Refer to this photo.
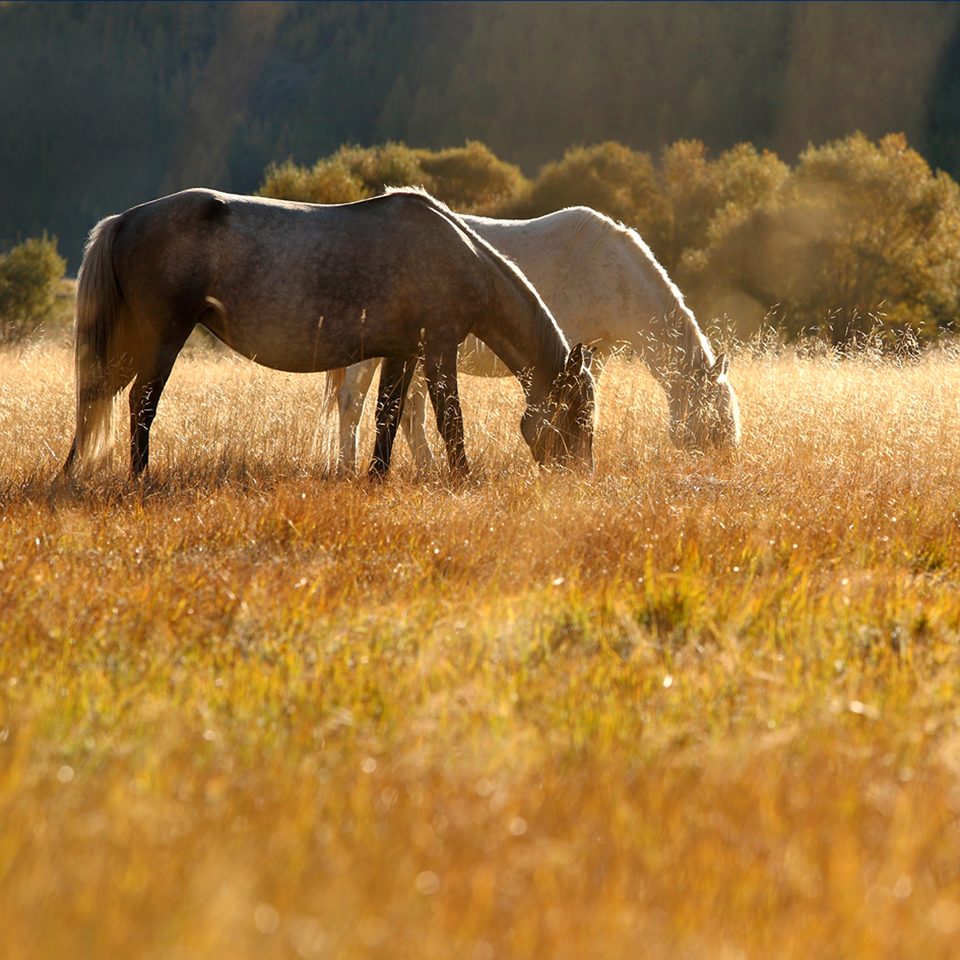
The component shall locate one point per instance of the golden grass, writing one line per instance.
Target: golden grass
(688, 706)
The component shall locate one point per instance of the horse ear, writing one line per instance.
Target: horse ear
(720, 366)
(581, 356)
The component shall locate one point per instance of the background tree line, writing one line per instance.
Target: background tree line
(856, 237)
(106, 105)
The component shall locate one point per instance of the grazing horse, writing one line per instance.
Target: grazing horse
(308, 287)
(604, 287)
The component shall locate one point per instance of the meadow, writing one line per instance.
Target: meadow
(687, 706)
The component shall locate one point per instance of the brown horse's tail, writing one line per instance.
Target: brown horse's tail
(332, 387)
(99, 301)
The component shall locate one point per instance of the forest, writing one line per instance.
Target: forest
(107, 105)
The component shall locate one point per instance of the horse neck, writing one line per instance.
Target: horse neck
(524, 334)
(550, 352)
(529, 342)
(669, 339)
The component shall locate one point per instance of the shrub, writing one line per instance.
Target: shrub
(392, 165)
(858, 235)
(699, 193)
(673, 206)
(29, 278)
(609, 177)
(861, 235)
(471, 179)
(329, 180)
(882, 237)
(468, 178)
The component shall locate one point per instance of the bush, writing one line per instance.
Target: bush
(882, 238)
(700, 194)
(469, 178)
(30, 275)
(352, 173)
(609, 177)
(673, 207)
(392, 165)
(329, 180)
(860, 236)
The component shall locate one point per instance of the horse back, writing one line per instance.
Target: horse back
(304, 286)
(600, 280)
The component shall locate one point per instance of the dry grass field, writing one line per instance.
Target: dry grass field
(685, 707)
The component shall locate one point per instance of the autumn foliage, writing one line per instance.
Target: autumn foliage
(858, 237)
(29, 279)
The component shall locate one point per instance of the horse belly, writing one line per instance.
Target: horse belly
(298, 340)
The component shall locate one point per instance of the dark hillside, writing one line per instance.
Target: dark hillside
(104, 105)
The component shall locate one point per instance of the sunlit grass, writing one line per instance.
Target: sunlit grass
(698, 706)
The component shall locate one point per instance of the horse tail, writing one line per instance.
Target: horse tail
(99, 301)
(332, 387)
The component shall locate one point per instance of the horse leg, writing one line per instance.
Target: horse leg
(350, 399)
(440, 370)
(413, 423)
(395, 377)
(144, 397)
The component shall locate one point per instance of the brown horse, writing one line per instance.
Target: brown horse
(308, 287)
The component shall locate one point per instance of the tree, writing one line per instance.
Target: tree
(860, 236)
(609, 177)
(29, 276)
(468, 178)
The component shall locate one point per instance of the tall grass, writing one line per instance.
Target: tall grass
(686, 706)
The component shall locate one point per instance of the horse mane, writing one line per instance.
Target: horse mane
(549, 337)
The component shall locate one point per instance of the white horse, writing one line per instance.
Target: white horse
(604, 287)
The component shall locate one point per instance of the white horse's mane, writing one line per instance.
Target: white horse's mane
(676, 311)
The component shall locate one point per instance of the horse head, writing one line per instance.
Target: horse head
(703, 409)
(559, 430)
